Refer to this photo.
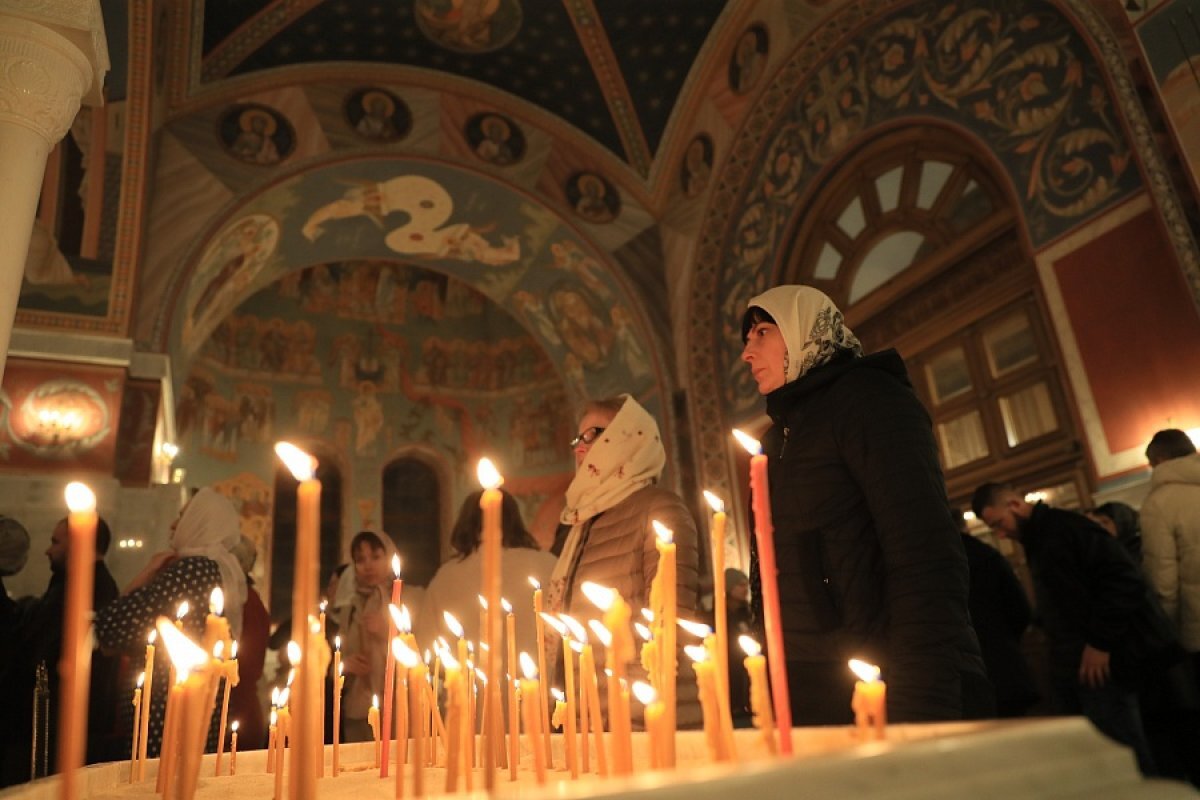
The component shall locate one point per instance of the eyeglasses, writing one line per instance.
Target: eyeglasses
(588, 436)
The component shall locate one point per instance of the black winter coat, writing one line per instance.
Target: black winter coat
(1089, 591)
(870, 562)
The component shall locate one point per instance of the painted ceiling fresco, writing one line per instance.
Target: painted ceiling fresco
(539, 50)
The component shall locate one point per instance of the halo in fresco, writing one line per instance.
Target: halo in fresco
(495, 138)
(378, 115)
(749, 60)
(256, 134)
(593, 197)
(469, 26)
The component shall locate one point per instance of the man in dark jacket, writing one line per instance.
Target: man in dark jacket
(870, 564)
(1095, 607)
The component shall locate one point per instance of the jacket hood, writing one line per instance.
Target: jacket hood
(1185, 469)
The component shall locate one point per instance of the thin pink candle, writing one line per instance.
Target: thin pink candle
(76, 663)
(764, 536)
(389, 678)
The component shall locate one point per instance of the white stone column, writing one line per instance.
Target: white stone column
(52, 56)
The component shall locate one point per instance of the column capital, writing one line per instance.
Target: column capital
(44, 73)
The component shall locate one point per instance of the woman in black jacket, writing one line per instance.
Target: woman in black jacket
(870, 563)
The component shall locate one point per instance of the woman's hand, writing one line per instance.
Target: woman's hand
(152, 568)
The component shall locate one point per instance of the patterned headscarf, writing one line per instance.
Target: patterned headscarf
(812, 327)
(210, 527)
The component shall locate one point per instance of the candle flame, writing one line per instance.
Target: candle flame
(185, 654)
(868, 673)
(696, 653)
(479, 673)
(234, 726)
(274, 717)
(341, 669)
(601, 632)
(557, 694)
(449, 660)
(534, 582)
(749, 442)
(642, 631)
(577, 630)
(396, 565)
(428, 655)
(407, 657)
(337, 642)
(323, 605)
(141, 678)
(644, 692)
(528, 667)
(274, 695)
(233, 650)
(216, 601)
(299, 463)
(482, 601)
(218, 649)
(697, 629)
(601, 596)
(749, 645)
(489, 477)
(576, 646)
(507, 606)
(183, 609)
(453, 624)
(293, 652)
(80, 497)
(714, 502)
(314, 625)
(153, 637)
(648, 614)
(664, 534)
(559, 627)
(291, 677)
(375, 702)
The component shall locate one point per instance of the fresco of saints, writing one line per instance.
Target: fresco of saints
(368, 419)
(237, 256)
(428, 206)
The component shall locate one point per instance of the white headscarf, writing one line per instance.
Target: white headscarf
(210, 527)
(812, 327)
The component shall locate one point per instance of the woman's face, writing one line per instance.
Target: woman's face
(587, 433)
(370, 565)
(765, 352)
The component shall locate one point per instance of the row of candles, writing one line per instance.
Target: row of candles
(197, 670)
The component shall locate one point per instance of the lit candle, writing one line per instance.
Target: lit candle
(233, 748)
(489, 504)
(216, 627)
(309, 717)
(665, 544)
(589, 696)
(76, 664)
(540, 630)
(514, 742)
(230, 672)
(707, 685)
(530, 689)
(338, 681)
(171, 718)
(764, 537)
(760, 697)
(145, 724)
(646, 695)
(400, 653)
(720, 620)
(615, 635)
(193, 707)
(137, 718)
(373, 721)
(389, 678)
(272, 729)
(568, 713)
(417, 684)
(284, 729)
(455, 700)
(870, 700)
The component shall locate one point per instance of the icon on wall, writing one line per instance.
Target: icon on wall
(256, 134)
(593, 197)
(495, 138)
(378, 115)
(749, 59)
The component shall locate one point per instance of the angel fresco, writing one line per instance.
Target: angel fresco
(428, 206)
(468, 26)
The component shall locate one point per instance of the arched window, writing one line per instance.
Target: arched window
(916, 241)
(412, 515)
(283, 543)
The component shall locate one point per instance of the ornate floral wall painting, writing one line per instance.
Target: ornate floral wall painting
(256, 134)
(377, 115)
(592, 197)
(469, 26)
(495, 138)
(231, 263)
(50, 419)
(1170, 39)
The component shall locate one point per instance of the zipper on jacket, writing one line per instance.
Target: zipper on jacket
(783, 447)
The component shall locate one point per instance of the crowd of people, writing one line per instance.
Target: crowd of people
(872, 561)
